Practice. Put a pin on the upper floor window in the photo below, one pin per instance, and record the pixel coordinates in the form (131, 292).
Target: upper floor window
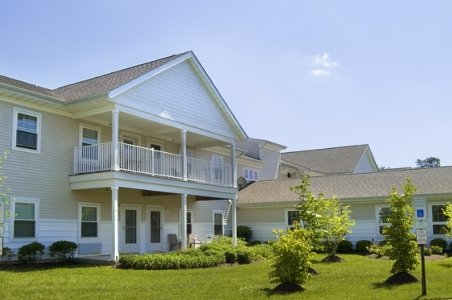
(439, 219)
(250, 174)
(89, 135)
(217, 168)
(26, 130)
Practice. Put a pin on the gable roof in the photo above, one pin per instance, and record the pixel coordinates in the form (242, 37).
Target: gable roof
(337, 160)
(97, 86)
(430, 181)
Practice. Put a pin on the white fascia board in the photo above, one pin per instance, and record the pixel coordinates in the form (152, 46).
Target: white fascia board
(119, 90)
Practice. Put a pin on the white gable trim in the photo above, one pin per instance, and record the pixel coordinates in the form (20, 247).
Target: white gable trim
(204, 79)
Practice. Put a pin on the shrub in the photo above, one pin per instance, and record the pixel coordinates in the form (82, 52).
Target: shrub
(261, 251)
(173, 260)
(436, 250)
(439, 242)
(245, 233)
(379, 251)
(345, 246)
(244, 255)
(450, 246)
(255, 242)
(7, 254)
(31, 252)
(427, 251)
(63, 250)
(230, 256)
(363, 245)
(292, 257)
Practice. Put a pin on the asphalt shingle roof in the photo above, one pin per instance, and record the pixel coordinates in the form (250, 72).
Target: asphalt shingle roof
(351, 186)
(96, 86)
(337, 160)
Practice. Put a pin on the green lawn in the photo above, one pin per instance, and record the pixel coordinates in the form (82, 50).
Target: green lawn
(358, 278)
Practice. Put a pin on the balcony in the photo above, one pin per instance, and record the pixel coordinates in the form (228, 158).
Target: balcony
(145, 161)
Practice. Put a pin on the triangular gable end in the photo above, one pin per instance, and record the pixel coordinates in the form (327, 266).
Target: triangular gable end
(181, 91)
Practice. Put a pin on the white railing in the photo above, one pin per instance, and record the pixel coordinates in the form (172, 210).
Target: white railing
(205, 171)
(136, 159)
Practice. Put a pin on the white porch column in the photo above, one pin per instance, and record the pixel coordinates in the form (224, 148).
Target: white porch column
(115, 140)
(183, 205)
(234, 165)
(234, 221)
(183, 141)
(114, 223)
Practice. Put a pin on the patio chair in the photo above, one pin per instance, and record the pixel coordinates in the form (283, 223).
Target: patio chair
(173, 241)
(193, 241)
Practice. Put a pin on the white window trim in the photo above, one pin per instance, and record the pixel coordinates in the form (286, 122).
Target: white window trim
(150, 141)
(377, 219)
(286, 217)
(91, 127)
(23, 199)
(88, 204)
(435, 223)
(135, 136)
(16, 111)
(214, 212)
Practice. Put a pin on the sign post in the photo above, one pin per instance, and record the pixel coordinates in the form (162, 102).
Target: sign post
(421, 237)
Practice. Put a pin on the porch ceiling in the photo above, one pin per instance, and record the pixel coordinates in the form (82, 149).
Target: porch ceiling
(153, 129)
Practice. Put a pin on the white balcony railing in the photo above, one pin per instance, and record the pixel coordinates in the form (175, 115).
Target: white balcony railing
(141, 160)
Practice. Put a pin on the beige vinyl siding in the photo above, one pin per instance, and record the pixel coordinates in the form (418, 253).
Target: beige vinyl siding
(261, 215)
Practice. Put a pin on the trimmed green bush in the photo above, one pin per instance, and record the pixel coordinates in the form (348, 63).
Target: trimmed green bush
(245, 233)
(31, 252)
(437, 249)
(255, 242)
(244, 255)
(170, 261)
(439, 242)
(427, 251)
(344, 246)
(262, 251)
(7, 254)
(63, 250)
(230, 256)
(363, 245)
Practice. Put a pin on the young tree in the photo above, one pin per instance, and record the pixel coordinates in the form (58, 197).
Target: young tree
(327, 219)
(293, 252)
(401, 241)
(448, 214)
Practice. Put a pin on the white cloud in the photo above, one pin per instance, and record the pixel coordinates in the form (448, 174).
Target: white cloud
(323, 65)
(320, 73)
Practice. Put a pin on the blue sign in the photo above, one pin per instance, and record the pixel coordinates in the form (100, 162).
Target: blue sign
(420, 213)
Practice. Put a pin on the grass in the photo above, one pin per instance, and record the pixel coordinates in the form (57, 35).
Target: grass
(357, 278)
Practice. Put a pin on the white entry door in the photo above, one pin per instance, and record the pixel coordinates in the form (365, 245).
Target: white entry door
(129, 229)
(155, 223)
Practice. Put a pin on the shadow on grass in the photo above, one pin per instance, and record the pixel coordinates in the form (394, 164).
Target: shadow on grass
(447, 265)
(42, 266)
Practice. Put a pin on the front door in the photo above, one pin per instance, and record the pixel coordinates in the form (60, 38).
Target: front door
(129, 230)
(155, 229)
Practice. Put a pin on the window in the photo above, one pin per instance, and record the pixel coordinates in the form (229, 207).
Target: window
(383, 218)
(89, 135)
(24, 217)
(26, 130)
(189, 223)
(217, 167)
(89, 220)
(439, 219)
(292, 216)
(218, 223)
(250, 174)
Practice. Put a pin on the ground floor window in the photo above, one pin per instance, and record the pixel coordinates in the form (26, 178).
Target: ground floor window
(218, 223)
(292, 216)
(89, 220)
(439, 219)
(24, 217)
(383, 214)
(189, 223)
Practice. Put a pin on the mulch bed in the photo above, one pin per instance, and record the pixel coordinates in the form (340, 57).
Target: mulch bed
(401, 278)
(287, 288)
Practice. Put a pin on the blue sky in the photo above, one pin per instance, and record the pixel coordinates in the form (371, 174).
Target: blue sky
(305, 74)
